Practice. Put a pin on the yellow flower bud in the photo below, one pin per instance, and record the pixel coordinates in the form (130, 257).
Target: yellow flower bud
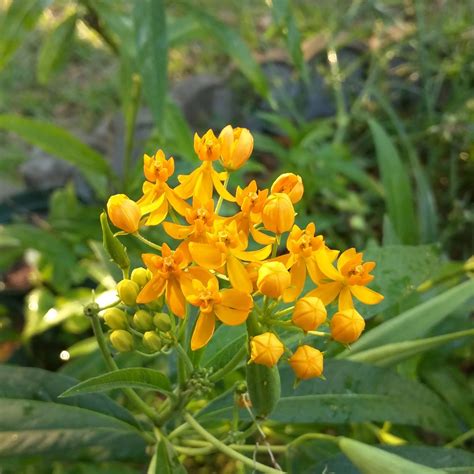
(309, 313)
(207, 147)
(236, 147)
(278, 214)
(273, 279)
(124, 213)
(290, 184)
(122, 340)
(140, 276)
(143, 320)
(127, 291)
(307, 362)
(347, 326)
(116, 319)
(162, 321)
(152, 341)
(266, 349)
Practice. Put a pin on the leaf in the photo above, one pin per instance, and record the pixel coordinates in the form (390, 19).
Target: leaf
(165, 460)
(220, 350)
(20, 18)
(138, 377)
(351, 393)
(396, 181)
(63, 145)
(417, 321)
(152, 53)
(391, 354)
(55, 49)
(371, 460)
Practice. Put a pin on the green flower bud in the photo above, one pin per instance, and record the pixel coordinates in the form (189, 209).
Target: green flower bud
(152, 341)
(140, 276)
(115, 318)
(122, 340)
(117, 252)
(143, 320)
(162, 321)
(128, 291)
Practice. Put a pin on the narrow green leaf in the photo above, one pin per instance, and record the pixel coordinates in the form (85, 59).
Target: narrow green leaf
(113, 246)
(123, 378)
(221, 349)
(152, 53)
(60, 143)
(165, 460)
(391, 354)
(371, 460)
(55, 49)
(396, 181)
(415, 322)
(15, 24)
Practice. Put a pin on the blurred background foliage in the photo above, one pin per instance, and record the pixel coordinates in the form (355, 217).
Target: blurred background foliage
(369, 101)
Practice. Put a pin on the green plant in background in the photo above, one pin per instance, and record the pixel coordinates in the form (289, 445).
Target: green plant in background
(395, 141)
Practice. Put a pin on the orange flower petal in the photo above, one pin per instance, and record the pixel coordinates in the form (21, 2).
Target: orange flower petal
(238, 275)
(345, 257)
(254, 255)
(175, 298)
(158, 215)
(207, 255)
(326, 266)
(221, 190)
(236, 299)
(327, 292)
(152, 290)
(177, 231)
(176, 202)
(345, 299)
(203, 330)
(366, 295)
(298, 278)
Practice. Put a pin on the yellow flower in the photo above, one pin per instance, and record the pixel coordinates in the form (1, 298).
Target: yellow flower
(290, 184)
(278, 214)
(236, 147)
(307, 362)
(167, 278)
(122, 340)
(124, 213)
(230, 306)
(347, 326)
(266, 349)
(350, 279)
(202, 181)
(273, 279)
(309, 313)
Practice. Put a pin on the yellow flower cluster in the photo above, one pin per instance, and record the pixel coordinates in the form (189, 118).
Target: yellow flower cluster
(231, 267)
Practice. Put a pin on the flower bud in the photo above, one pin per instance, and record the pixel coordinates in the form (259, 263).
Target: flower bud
(307, 362)
(162, 321)
(143, 320)
(266, 349)
(290, 184)
(140, 276)
(124, 213)
(278, 214)
(309, 313)
(152, 341)
(127, 291)
(207, 147)
(347, 326)
(116, 319)
(122, 340)
(112, 245)
(236, 147)
(273, 279)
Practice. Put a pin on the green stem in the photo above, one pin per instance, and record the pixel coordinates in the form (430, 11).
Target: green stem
(111, 305)
(184, 356)
(112, 366)
(245, 448)
(221, 199)
(275, 245)
(147, 242)
(461, 439)
(284, 312)
(231, 452)
(231, 365)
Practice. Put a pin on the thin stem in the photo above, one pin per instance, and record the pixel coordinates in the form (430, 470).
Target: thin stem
(111, 305)
(178, 430)
(275, 245)
(231, 452)
(147, 242)
(221, 199)
(461, 439)
(112, 366)
(284, 312)
(230, 366)
(245, 448)
(184, 357)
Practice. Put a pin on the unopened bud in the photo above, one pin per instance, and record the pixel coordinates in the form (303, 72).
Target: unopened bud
(122, 340)
(309, 313)
(127, 291)
(266, 349)
(140, 276)
(162, 321)
(116, 319)
(347, 326)
(273, 279)
(143, 320)
(307, 362)
(152, 341)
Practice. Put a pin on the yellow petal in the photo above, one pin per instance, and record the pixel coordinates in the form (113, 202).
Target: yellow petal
(345, 299)
(207, 255)
(234, 307)
(298, 278)
(326, 266)
(152, 290)
(203, 330)
(260, 237)
(327, 292)
(314, 272)
(238, 275)
(203, 189)
(178, 204)
(175, 298)
(188, 183)
(221, 190)
(366, 295)
(345, 257)
(177, 231)
(158, 215)
(254, 255)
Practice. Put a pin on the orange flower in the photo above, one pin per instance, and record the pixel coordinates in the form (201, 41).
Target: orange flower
(124, 213)
(350, 279)
(230, 306)
(347, 326)
(309, 313)
(278, 214)
(290, 184)
(307, 362)
(236, 147)
(266, 349)
(273, 279)
(167, 278)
